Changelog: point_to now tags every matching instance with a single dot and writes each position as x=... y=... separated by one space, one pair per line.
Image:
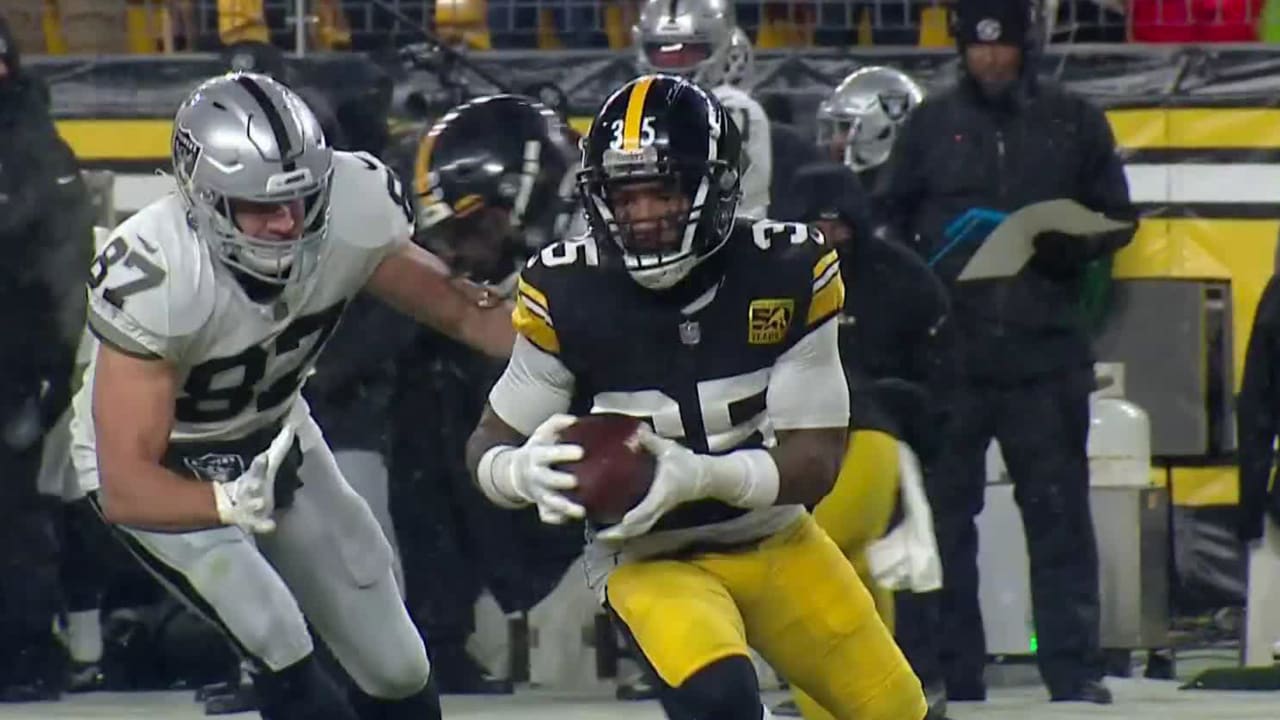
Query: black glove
x=1060 y=252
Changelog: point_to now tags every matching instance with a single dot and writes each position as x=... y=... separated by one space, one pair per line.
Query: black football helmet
x=493 y=183
x=660 y=177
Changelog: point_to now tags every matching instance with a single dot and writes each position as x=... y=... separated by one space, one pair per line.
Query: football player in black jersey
x=493 y=183
x=721 y=334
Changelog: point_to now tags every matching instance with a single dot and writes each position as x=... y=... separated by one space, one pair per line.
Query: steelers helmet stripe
x=634 y=118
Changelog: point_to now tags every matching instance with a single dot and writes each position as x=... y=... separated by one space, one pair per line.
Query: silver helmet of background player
x=685 y=37
x=244 y=137
x=740 y=60
x=863 y=113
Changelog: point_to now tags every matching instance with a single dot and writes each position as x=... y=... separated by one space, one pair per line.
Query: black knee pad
x=726 y=689
x=423 y=705
x=302 y=691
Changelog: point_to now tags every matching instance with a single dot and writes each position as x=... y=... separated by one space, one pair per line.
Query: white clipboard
x=1008 y=248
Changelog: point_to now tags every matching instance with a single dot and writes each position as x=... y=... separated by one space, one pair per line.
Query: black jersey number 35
x=220 y=389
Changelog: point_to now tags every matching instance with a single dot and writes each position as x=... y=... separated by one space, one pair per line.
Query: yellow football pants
x=855 y=514
x=794 y=598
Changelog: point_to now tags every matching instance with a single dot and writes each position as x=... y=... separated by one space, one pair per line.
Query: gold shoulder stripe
x=532 y=318
x=825 y=262
x=635 y=114
x=535 y=295
x=826 y=301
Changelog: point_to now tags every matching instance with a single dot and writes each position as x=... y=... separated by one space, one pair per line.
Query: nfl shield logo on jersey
x=216 y=467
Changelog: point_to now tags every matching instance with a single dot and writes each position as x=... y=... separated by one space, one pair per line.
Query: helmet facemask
x=693 y=58
x=664 y=217
x=278 y=261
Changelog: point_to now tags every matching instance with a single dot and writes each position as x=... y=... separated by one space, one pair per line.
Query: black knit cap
x=992 y=21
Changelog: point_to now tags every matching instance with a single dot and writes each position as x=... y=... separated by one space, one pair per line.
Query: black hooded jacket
x=46 y=232
x=960 y=151
x=893 y=333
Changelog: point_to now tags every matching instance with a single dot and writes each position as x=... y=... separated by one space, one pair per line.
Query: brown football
x=615 y=471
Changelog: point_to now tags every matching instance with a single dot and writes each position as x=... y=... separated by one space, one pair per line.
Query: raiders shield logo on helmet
x=186 y=152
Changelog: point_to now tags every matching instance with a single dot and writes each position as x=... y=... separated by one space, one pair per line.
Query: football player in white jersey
x=700 y=39
x=209 y=307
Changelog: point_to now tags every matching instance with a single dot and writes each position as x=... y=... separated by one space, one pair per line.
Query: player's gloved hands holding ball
x=742 y=478
x=249 y=500
x=615 y=470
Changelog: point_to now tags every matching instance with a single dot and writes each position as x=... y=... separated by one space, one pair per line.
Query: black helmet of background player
x=829 y=196
x=493 y=183
x=660 y=177
x=994 y=38
x=693 y=38
x=256 y=57
x=859 y=120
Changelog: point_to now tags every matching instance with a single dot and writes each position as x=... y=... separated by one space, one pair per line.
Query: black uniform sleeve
x=1256 y=413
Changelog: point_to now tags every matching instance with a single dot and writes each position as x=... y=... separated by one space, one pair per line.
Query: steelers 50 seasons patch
x=769 y=319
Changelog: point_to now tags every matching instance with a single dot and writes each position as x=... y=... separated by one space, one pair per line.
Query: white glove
x=525 y=474
x=743 y=478
x=249 y=500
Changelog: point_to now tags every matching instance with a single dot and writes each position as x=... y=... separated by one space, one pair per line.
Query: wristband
x=744 y=478
x=493 y=475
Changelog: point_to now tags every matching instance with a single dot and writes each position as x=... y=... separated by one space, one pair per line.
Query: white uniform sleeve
x=535 y=386
x=372 y=214
x=807 y=389
x=151 y=286
x=753 y=123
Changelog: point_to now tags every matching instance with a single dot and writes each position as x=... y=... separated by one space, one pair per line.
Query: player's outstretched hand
x=682 y=476
x=534 y=477
x=248 y=501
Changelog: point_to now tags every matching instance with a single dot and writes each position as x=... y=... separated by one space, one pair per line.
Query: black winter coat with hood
x=960 y=150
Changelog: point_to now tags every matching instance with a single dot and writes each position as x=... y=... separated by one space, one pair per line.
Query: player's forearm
x=147 y=495
x=808 y=463
x=489 y=330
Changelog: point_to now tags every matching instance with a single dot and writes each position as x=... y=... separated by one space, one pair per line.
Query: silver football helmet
x=685 y=37
x=863 y=113
x=739 y=60
x=245 y=137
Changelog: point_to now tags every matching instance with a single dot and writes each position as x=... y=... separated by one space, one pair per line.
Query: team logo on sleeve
x=769 y=319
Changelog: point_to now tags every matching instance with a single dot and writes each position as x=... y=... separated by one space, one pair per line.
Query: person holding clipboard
x=1009 y=187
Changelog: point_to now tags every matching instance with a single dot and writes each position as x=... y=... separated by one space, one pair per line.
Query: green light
x=1033 y=644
